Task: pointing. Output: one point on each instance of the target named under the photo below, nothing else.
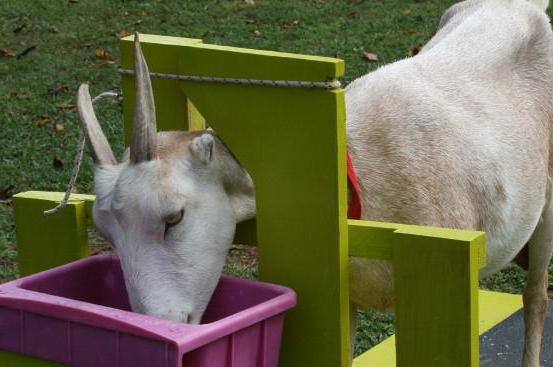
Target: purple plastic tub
(78, 314)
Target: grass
(62, 43)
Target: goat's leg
(535, 293)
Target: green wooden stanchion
(44, 242)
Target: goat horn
(144, 134)
(97, 143)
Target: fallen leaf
(110, 62)
(19, 28)
(4, 52)
(290, 23)
(256, 33)
(58, 127)
(123, 33)
(57, 90)
(353, 14)
(125, 13)
(249, 2)
(142, 13)
(257, 21)
(43, 121)
(67, 51)
(25, 52)
(101, 53)
(19, 94)
(370, 57)
(415, 50)
(67, 107)
(57, 163)
(407, 11)
(53, 29)
(6, 192)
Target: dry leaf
(369, 56)
(4, 52)
(6, 192)
(290, 24)
(407, 11)
(67, 51)
(43, 121)
(249, 2)
(256, 33)
(57, 163)
(353, 14)
(25, 52)
(142, 13)
(415, 50)
(58, 127)
(123, 33)
(57, 90)
(110, 62)
(53, 29)
(101, 53)
(257, 21)
(67, 107)
(19, 28)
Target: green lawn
(48, 48)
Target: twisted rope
(77, 161)
(263, 82)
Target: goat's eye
(173, 219)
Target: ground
(47, 48)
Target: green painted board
(436, 308)
(44, 242)
(8, 359)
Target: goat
(458, 136)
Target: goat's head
(170, 207)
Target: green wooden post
(287, 139)
(43, 241)
(436, 290)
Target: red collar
(354, 207)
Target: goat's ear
(202, 148)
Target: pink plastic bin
(78, 314)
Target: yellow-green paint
(8, 359)
(493, 309)
(435, 284)
(43, 241)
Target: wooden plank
(441, 327)
(9, 359)
(287, 139)
(44, 242)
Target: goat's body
(457, 136)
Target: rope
(77, 162)
(268, 83)
(190, 78)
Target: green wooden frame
(292, 141)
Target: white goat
(458, 136)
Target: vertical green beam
(292, 141)
(439, 329)
(174, 111)
(44, 242)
